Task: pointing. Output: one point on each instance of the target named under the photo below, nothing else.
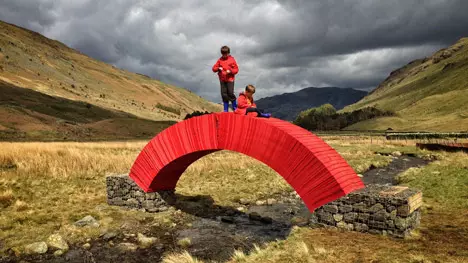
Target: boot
(264, 115)
(226, 106)
(234, 105)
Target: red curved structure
(314, 169)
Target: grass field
(45, 187)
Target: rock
(376, 208)
(325, 217)
(132, 202)
(299, 221)
(376, 224)
(266, 220)
(128, 247)
(109, 235)
(313, 219)
(403, 210)
(338, 217)
(151, 196)
(350, 217)
(86, 246)
(254, 216)
(271, 201)
(342, 225)
(227, 219)
(361, 207)
(87, 221)
(380, 216)
(57, 242)
(330, 209)
(36, 248)
(289, 211)
(361, 227)
(184, 242)
(396, 154)
(345, 209)
(148, 204)
(401, 223)
(144, 241)
(375, 232)
(101, 208)
(363, 217)
(392, 215)
(260, 202)
(390, 208)
(58, 253)
(241, 209)
(244, 201)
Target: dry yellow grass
(184, 257)
(45, 187)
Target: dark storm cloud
(281, 46)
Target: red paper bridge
(314, 169)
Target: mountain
(50, 91)
(426, 94)
(288, 105)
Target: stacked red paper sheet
(314, 169)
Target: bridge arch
(312, 167)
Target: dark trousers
(227, 91)
(258, 111)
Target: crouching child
(246, 104)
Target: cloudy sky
(280, 46)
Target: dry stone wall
(377, 209)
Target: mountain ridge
(288, 105)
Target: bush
(325, 118)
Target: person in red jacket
(246, 104)
(227, 68)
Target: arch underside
(314, 169)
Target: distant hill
(429, 94)
(30, 60)
(288, 105)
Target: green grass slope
(427, 94)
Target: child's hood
(242, 94)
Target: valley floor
(46, 187)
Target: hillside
(427, 94)
(288, 105)
(30, 60)
(30, 115)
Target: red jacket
(243, 103)
(228, 63)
